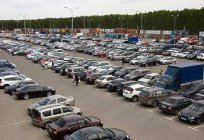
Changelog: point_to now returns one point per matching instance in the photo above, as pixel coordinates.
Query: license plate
(183, 118)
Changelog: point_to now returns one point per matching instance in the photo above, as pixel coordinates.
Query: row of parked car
(132, 83)
(56, 113)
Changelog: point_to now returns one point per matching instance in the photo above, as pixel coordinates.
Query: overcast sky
(32, 9)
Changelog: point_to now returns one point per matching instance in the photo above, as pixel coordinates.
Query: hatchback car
(54, 99)
(34, 90)
(103, 80)
(194, 113)
(98, 133)
(111, 86)
(174, 104)
(71, 123)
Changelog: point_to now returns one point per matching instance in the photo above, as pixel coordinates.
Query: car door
(57, 113)
(40, 91)
(31, 91)
(73, 126)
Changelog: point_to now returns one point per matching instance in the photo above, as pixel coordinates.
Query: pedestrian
(123, 60)
(160, 72)
(76, 79)
(52, 64)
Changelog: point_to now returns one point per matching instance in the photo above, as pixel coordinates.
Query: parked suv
(42, 116)
(54, 99)
(154, 95)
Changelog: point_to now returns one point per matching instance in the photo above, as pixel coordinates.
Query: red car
(71, 123)
(101, 54)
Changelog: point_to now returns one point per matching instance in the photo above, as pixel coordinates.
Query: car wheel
(13, 93)
(26, 97)
(49, 94)
(6, 85)
(135, 98)
(146, 65)
(156, 64)
(46, 125)
(78, 113)
(198, 121)
(154, 104)
(176, 112)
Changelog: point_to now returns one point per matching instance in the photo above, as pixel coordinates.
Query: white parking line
(193, 128)
(97, 89)
(107, 93)
(199, 126)
(12, 124)
(170, 118)
(43, 131)
(119, 98)
(149, 110)
(88, 85)
(133, 104)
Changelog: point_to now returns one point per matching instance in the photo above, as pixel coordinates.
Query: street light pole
(174, 17)
(84, 23)
(121, 24)
(89, 24)
(72, 14)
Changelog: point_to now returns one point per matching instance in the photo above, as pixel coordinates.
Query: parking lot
(140, 122)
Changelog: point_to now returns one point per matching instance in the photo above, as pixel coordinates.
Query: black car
(111, 86)
(62, 67)
(194, 113)
(148, 61)
(130, 57)
(199, 95)
(98, 133)
(121, 73)
(90, 79)
(90, 63)
(122, 85)
(114, 69)
(191, 90)
(174, 104)
(137, 74)
(34, 90)
(11, 90)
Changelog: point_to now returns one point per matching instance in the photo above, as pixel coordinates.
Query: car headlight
(179, 113)
(192, 118)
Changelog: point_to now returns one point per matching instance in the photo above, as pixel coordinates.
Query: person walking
(123, 60)
(160, 72)
(76, 79)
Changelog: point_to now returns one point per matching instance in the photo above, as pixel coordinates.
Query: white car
(10, 80)
(167, 60)
(200, 56)
(103, 80)
(132, 92)
(183, 54)
(175, 53)
(149, 78)
(99, 64)
(135, 60)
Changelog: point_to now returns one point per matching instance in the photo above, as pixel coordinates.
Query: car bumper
(126, 95)
(186, 118)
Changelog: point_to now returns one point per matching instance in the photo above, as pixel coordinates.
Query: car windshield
(101, 78)
(148, 77)
(78, 135)
(123, 70)
(44, 101)
(197, 106)
(171, 101)
(135, 72)
(61, 122)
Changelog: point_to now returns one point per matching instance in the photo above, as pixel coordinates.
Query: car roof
(94, 129)
(153, 74)
(72, 117)
(58, 96)
(137, 86)
(49, 106)
(201, 102)
(177, 97)
(9, 76)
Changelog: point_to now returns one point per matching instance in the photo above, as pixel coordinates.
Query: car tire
(13, 93)
(156, 64)
(49, 94)
(135, 98)
(26, 97)
(46, 125)
(6, 85)
(198, 121)
(155, 104)
(146, 65)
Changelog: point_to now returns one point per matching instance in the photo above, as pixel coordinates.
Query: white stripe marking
(193, 128)
(12, 124)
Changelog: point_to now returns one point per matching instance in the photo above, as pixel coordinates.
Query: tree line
(188, 19)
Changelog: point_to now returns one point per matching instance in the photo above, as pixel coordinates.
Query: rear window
(47, 113)
(129, 89)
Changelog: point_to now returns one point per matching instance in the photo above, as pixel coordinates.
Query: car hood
(10, 87)
(118, 133)
(190, 112)
(33, 106)
(144, 80)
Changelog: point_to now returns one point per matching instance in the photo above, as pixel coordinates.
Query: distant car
(121, 73)
(34, 90)
(10, 80)
(12, 89)
(54, 99)
(103, 80)
(150, 78)
(71, 123)
(174, 104)
(90, 79)
(200, 56)
(167, 60)
(111, 86)
(199, 95)
(137, 74)
(194, 113)
(154, 95)
(98, 133)
(122, 85)
(132, 92)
